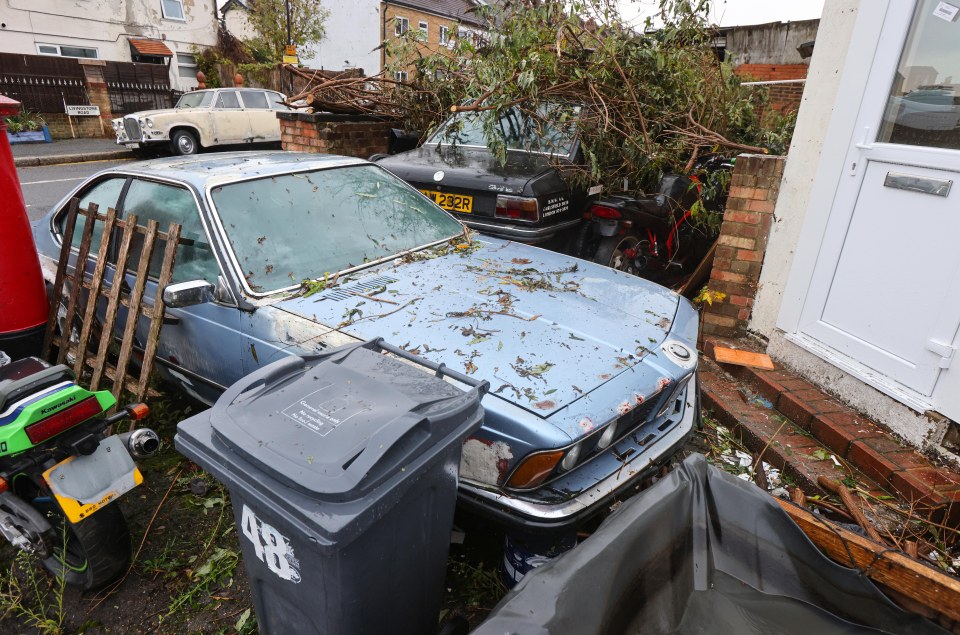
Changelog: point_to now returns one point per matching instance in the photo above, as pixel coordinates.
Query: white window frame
(186, 65)
(163, 11)
(59, 52)
(400, 76)
(424, 26)
(444, 35)
(401, 25)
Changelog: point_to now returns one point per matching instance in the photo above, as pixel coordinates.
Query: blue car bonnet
(543, 328)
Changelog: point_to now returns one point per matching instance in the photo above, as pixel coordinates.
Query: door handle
(914, 183)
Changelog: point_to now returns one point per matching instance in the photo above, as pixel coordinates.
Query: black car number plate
(451, 202)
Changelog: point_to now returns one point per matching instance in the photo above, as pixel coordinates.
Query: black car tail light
(518, 208)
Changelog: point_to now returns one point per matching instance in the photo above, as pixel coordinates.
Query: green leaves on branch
(648, 102)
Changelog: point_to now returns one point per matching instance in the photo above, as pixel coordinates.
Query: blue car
(592, 371)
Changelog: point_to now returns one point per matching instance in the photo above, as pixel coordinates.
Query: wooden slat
(110, 317)
(79, 271)
(701, 273)
(136, 296)
(166, 274)
(93, 297)
(726, 355)
(916, 581)
(58, 281)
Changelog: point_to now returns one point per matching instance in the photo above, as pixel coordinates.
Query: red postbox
(23, 297)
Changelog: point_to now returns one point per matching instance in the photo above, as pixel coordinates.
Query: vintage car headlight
(149, 122)
(608, 436)
(570, 460)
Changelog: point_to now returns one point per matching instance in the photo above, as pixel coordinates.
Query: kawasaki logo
(49, 409)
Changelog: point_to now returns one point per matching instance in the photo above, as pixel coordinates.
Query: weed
(477, 587)
(33, 597)
(216, 572)
(167, 563)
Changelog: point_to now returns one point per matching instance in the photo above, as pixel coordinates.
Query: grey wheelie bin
(342, 470)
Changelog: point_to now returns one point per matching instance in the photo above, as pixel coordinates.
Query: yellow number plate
(451, 202)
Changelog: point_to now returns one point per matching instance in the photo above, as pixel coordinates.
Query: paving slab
(67, 151)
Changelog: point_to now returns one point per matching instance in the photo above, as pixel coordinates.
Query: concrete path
(67, 151)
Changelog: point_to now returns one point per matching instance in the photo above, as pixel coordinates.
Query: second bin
(342, 470)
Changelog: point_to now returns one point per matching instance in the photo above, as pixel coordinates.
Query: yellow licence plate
(451, 202)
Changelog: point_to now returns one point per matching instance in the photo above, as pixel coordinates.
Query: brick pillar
(742, 244)
(325, 133)
(99, 96)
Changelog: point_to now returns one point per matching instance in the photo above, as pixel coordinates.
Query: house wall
(434, 22)
(106, 25)
(773, 44)
(238, 24)
(352, 38)
(815, 165)
(804, 157)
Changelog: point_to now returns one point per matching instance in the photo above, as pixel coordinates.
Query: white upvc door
(885, 292)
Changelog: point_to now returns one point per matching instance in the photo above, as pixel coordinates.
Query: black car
(526, 198)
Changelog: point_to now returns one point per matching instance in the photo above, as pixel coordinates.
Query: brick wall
(785, 97)
(431, 43)
(771, 72)
(742, 244)
(333, 134)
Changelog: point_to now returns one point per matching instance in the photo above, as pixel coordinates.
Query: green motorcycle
(59, 471)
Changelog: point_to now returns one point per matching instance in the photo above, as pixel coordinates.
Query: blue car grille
(132, 128)
(638, 423)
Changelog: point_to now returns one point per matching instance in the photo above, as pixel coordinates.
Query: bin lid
(338, 424)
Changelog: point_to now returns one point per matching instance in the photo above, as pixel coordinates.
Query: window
(187, 65)
(172, 9)
(289, 227)
(105, 195)
(254, 99)
(400, 76)
(424, 27)
(68, 51)
(276, 101)
(228, 99)
(171, 204)
(402, 25)
(196, 99)
(444, 35)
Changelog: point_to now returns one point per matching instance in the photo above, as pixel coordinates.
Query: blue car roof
(203, 170)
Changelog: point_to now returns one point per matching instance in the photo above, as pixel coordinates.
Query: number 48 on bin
(271, 547)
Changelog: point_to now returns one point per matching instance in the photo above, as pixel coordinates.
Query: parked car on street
(205, 118)
(592, 370)
(526, 199)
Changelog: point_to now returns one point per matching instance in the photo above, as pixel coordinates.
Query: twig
(841, 490)
(373, 297)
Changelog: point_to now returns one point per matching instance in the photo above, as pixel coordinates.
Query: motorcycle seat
(29, 375)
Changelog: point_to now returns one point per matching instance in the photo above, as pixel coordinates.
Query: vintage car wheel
(184, 142)
(617, 252)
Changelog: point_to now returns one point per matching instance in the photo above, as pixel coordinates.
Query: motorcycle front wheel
(91, 553)
(612, 252)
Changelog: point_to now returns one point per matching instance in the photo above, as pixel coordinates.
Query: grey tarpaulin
(699, 552)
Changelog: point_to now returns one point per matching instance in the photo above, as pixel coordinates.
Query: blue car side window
(171, 204)
(105, 195)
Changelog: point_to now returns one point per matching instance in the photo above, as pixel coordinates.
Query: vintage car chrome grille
(132, 127)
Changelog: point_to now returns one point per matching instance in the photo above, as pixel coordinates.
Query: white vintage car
(205, 118)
